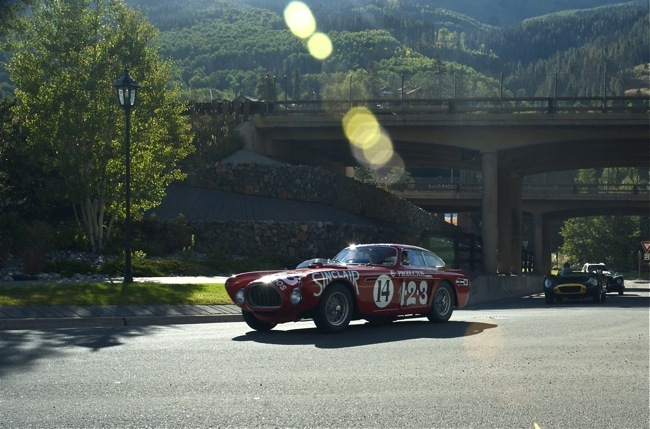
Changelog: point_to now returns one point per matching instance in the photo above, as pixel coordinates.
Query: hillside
(171, 13)
(226, 48)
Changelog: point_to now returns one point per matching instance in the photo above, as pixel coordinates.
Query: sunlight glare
(371, 145)
(320, 46)
(299, 19)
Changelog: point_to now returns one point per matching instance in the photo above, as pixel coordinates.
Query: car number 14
(411, 293)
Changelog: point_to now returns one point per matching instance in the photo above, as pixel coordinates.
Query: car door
(415, 283)
(378, 286)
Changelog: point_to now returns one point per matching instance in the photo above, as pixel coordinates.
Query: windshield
(368, 255)
(594, 268)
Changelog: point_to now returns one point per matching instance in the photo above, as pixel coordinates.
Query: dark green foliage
(157, 238)
(13, 230)
(153, 268)
(68, 268)
(225, 47)
(613, 240)
(222, 262)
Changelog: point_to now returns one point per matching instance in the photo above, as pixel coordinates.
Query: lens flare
(301, 22)
(299, 19)
(320, 46)
(371, 145)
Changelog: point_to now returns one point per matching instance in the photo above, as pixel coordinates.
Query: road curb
(112, 322)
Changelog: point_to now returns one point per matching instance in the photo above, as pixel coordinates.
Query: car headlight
(549, 283)
(593, 281)
(619, 281)
(295, 297)
(239, 297)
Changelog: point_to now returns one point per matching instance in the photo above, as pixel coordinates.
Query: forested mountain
(227, 48)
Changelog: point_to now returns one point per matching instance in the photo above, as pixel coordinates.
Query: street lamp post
(127, 89)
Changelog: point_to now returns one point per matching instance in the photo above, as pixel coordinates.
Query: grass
(112, 294)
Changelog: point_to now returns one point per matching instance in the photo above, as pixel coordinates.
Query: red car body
(377, 282)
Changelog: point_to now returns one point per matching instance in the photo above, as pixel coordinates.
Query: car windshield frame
(592, 268)
(375, 255)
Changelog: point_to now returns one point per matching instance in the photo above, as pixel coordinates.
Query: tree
(65, 60)
(8, 12)
(610, 239)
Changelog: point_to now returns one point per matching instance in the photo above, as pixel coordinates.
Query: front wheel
(256, 323)
(599, 297)
(442, 305)
(334, 311)
(549, 297)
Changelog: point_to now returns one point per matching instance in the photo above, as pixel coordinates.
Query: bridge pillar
(547, 242)
(538, 248)
(489, 212)
(509, 220)
(516, 242)
(504, 220)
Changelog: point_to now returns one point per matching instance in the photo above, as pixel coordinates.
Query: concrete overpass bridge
(506, 139)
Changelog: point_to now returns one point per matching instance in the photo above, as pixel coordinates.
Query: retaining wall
(489, 288)
(384, 217)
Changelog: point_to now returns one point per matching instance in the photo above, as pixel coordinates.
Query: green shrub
(222, 262)
(153, 267)
(13, 231)
(162, 238)
(68, 268)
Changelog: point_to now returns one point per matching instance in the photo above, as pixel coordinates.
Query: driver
(376, 257)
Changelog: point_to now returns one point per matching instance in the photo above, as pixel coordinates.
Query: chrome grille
(263, 295)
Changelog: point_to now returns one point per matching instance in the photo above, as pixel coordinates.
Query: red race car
(376, 282)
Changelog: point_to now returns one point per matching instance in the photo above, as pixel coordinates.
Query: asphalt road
(521, 365)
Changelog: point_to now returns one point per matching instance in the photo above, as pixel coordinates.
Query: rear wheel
(443, 304)
(256, 323)
(334, 311)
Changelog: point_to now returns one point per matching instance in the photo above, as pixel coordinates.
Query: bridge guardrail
(380, 106)
(392, 106)
(534, 190)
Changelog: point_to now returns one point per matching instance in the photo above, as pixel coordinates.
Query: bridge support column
(489, 212)
(516, 235)
(504, 221)
(509, 221)
(547, 242)
(538, 248)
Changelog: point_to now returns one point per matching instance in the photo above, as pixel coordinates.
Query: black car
(576, 285)
(615, 282)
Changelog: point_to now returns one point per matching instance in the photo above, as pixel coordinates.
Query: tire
(598, 297)
(442, 304)
(549, 298)
(620, 291)
(256, 323)
(334, 311)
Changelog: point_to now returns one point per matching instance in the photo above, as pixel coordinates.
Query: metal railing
(404, 106)
(380, 106)
(545, 191)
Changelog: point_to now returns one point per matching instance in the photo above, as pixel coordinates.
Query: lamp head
(127, 89)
